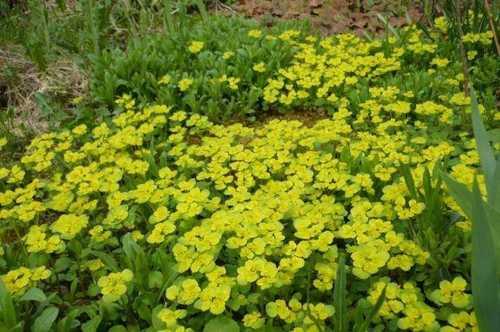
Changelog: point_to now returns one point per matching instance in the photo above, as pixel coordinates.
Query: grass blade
(485, 151)
(410, 184)
(484, 267)
(339, 294)
(494, 193)
(373, 312)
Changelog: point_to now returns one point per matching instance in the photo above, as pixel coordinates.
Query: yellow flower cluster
(242, 212)
(19, 280)
(36, 240)
(196, 46)
(302, 316)
(406, 305)
(317, 74)
(114, 285)
(170, 317)
(452, 292)
(69, 225)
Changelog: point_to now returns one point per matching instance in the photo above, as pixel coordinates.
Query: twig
(223, 5)
(459, 21)
(492, 25)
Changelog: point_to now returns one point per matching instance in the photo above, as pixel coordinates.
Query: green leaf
(494, 193)
(483, 146)
(44, 322)
(460, 193)
(8, 312)
(61, 4)
(118, 328)
(34, 294)
(494, 135)
(155, 321)
(108, 260)
(484, 268)
(62, 264)
(339, 295)
(410, 184)
(381, 299)
(92, 324)
(67, 323)
(155, 279)
(221, 323)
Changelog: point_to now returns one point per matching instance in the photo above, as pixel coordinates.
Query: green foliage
(340, 296)
(485, 218)
(44, 322)
(221, 323)
(129, 47)
(8, 316)
(139, 69)
(470, 15)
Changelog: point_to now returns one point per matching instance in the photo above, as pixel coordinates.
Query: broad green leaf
(62, 264)
(43, 323)
(494, 193)
(483, 145)
(155, 279)
(92, 324)
(118, 328)
(34, 294)
(221, 323)
(493, 217)
(494, 135)
(8, 311)
(460, 193)
(484, 268)
(339, 294)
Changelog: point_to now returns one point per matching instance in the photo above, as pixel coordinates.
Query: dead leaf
(315, 3)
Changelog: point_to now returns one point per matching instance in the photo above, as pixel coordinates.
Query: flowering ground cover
(159, 218)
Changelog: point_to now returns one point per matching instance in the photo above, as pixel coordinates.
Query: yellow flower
(114, 285)
(441, 23)
(255, 33)
(17, 281)
(227, 55)
(77, 100)
(452, 292)
(94, 265)
(69, 225)
(80, 130)
(165, 79)
(260, 67)
(253, 320)
(196, 46)
(3, 142)
(440, 62)
(185, 83)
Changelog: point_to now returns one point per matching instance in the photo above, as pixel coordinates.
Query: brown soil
(334, 16)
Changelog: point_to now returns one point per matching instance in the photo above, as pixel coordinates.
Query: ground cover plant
(155, 215)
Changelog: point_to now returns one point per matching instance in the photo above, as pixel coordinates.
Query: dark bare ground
(334, 16)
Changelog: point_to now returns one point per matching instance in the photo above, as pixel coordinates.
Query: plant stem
(465, 66)
(492, 25)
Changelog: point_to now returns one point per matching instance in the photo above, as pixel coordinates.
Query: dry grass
(20, 81)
